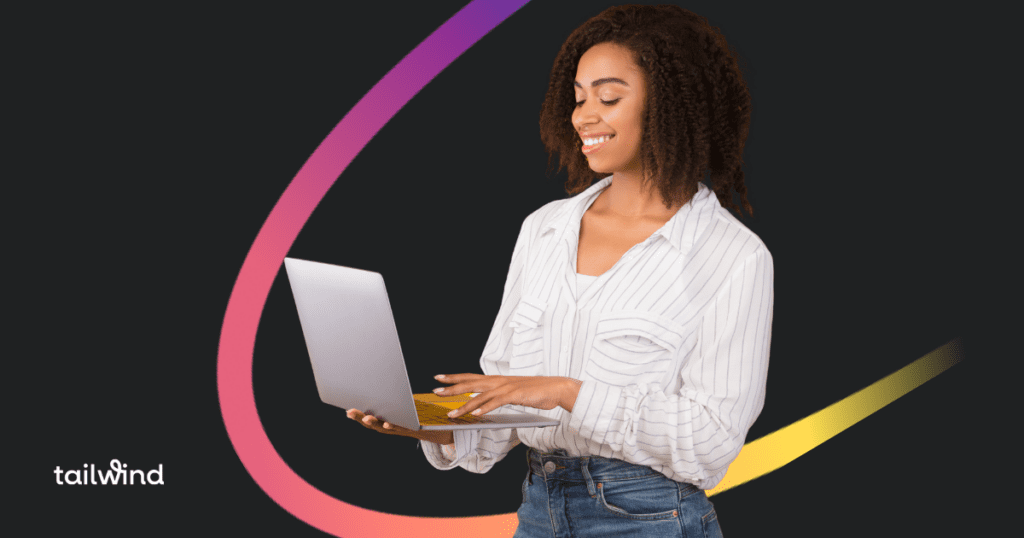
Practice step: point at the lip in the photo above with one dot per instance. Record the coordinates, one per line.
(587, 150)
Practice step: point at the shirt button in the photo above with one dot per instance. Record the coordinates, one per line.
(549, 467)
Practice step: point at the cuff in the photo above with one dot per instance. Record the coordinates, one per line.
(440, 455)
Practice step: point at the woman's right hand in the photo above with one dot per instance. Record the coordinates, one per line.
(373, 423)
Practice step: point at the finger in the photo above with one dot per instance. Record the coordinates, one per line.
(367, 421)
(472, 385)
(380, 425)
(461, 388)
(475, 403)
(490, 405)
(396, 429)
(372, 423)
(457, 378)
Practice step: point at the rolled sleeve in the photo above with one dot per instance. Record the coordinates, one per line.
(439, 456)
(595, 408)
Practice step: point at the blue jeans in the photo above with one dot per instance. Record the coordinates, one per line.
(587, 497)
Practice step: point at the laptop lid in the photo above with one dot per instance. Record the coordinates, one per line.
(352, 340)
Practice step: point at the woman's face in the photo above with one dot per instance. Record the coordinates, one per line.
(610, 98)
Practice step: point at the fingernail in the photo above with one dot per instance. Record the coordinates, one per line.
(438, 390)
(477, 411)
(439, 376)
(387, 425)
(451, 414)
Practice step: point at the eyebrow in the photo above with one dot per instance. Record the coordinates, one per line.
(601, 81)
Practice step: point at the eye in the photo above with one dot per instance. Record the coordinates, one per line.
(603, 102)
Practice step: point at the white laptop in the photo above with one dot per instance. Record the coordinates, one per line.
(357, 361)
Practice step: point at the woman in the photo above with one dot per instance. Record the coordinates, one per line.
(638, 312)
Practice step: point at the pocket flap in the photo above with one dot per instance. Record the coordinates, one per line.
(528, 313)
(658, 329)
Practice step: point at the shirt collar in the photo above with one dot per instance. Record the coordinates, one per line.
(573, 211)
(690, 222)
(681, 231)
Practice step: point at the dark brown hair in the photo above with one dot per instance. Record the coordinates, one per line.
(697, 113)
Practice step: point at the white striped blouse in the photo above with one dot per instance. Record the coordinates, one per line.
(671, 343)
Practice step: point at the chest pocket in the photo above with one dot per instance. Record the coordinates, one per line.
(527, 337)
(633, 347)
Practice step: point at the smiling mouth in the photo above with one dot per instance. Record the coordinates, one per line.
(594, 143)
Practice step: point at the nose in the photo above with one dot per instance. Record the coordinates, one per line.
(584, 115)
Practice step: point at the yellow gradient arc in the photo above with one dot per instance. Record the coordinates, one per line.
(771, 452)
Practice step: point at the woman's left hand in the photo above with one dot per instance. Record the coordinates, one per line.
(498, 390)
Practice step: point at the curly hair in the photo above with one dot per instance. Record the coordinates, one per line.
(697, 114)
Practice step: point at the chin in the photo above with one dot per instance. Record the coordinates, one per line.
(597, 168)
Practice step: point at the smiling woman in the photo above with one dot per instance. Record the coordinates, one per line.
(638, 312)
(695, 103)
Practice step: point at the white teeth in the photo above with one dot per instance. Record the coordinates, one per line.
(595, 141)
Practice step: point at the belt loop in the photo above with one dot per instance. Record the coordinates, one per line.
(529, 466)
(584, 467)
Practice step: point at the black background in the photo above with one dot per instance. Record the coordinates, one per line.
(157, 139)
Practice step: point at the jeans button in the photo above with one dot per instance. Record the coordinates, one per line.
(549, 467)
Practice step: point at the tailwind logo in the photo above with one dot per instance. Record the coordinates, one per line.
(118, 474)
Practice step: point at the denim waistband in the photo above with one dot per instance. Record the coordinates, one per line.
(558, 465)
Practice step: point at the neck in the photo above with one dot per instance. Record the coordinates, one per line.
(630, 196)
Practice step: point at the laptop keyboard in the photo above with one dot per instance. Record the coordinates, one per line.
(436, 415)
